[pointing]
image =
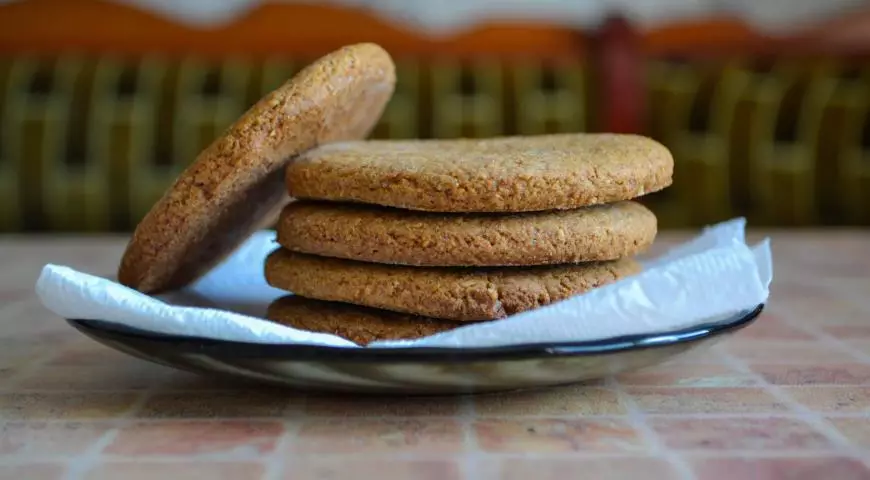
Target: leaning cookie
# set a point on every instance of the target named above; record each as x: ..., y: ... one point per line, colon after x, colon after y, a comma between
x: 360, y: 325
x: 507, y: 174
x: 235, y: 186
x: 459, y: 294
x: 386, y: 235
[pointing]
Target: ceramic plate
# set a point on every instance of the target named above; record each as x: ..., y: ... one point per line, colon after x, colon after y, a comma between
x: 412, y: 370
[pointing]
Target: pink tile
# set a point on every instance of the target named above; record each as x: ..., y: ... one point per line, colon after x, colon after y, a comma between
x: 24, y: 348
x: 738, y: 433
x: 572, y: 400
x: 789, y: 291
x: 32, y: 471
x: 855, y: 429
x: 41, y: 438
x: 430, y: 436
x: 828, y: 313
x: 701, y: 356
x: 556, y: 435
x: 175, y: 381
x: 770, y: 326
x: 860, y: 347
x: 615, y: 468
x: 337, y: 467
x: 242, y: 403
x: 788, y: 352
x: 106, y: 377
x: 833, y: 265
x: 65, y: 406
x: 829, y: 374
x: 832, y: 399
x: 41, y: 335
x: 705, y: 400
x: 145, y: 470
x: 196, y: 438
x: 823, y: 243
x: 373, y: 406
x: 687, y: 376
x: 89, y: 353
x: 849, y: 332
x: 791, y: 468
x: 16, y: 359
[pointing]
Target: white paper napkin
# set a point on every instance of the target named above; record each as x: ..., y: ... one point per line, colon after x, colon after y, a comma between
x: 709, y: 278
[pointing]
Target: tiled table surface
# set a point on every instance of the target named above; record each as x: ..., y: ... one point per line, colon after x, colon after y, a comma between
x: 788, y: 397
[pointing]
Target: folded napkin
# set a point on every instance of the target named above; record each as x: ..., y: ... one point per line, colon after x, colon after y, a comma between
x: 707, y: 279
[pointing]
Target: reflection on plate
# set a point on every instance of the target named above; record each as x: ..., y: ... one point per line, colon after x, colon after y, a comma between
x: 412, y: 370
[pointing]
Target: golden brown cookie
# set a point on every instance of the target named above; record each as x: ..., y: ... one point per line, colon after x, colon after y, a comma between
x: 508, y: 174
x: 386, y: 235
x: 235, y: 186
x: 451, y: 293
x: 360, y: 325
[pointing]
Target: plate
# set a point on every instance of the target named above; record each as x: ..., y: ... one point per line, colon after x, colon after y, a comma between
x: 413, y: 370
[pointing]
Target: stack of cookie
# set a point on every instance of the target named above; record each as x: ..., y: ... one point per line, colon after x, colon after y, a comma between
x: 398, y: 239
x: 402, y: 239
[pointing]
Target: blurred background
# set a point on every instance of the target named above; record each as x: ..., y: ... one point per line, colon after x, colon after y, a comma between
x: 765, y: 103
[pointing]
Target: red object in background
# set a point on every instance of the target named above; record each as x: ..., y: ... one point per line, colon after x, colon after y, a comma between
x: 618, y: 54
x: 299, y: 30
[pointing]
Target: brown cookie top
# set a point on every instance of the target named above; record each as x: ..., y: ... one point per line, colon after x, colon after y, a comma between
x: 235, y: 186
x: 451, y: 293
x: 509, y: 174
x: 387, y: 235
x: 360, y: 325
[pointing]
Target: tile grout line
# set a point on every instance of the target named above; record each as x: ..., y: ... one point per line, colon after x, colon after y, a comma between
x: 849, y: 295
x: 826, y: 338
x: 815, y: 419
x: 83, y: 463
x: 29, y: 369
x: 470, y: 447
x: 712, y: 415
x: 855, y: 297
x: 637, y: 419
x: 812, y: 418
x: 589, y: 455
x: 275, y: 461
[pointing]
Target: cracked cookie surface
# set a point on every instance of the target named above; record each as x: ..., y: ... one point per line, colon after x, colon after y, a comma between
x: 460, y: 294
x: 386, y: 235
x: 360, y: 325
x: 506, y: 174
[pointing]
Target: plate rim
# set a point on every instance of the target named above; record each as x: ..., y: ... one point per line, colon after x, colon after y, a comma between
x: 100, y: 330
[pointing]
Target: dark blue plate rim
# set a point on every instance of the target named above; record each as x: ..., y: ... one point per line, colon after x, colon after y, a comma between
x: 144, y: 340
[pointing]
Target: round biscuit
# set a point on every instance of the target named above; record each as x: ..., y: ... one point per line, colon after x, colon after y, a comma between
x: 360, y: 325
x: 506, y: 174
x: 392, y: 236
x: 235, y: 186
x: 450, y: 293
